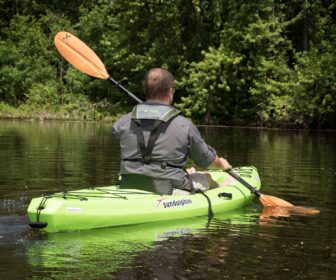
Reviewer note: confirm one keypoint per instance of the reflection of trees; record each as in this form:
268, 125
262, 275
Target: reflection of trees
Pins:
102, 156
12, 150
289, 161
42, 157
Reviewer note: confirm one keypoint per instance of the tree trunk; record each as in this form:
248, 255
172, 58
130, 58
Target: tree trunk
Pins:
305, 31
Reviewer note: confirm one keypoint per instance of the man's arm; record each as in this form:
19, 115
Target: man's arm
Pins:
220, 163
204, 155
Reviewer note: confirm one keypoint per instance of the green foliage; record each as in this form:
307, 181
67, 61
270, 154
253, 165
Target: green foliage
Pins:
26, 57
236, 62
209, 86
43, 95
316, 101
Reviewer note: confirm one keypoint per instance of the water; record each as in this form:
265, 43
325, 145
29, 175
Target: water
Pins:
43, 157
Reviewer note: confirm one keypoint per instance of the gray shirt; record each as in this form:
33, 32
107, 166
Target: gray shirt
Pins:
178, 140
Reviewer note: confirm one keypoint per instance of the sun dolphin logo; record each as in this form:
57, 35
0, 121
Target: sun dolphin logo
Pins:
159, 200
173, 203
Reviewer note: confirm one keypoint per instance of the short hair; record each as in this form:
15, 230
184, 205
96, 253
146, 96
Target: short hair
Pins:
157, 83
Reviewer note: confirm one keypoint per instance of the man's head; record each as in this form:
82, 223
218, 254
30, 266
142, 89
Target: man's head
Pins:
158, 84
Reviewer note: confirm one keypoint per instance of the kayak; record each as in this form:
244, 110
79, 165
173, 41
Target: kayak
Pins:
111, 206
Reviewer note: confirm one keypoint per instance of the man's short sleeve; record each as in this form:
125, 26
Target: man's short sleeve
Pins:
199, 151
119, 125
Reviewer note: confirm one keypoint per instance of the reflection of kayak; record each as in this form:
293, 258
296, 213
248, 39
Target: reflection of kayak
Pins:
158, 231
66, 254
148, 232
110, 206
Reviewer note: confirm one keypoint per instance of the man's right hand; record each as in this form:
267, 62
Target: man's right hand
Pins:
220, 163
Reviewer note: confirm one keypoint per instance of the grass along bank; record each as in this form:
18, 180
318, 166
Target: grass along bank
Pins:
102, 111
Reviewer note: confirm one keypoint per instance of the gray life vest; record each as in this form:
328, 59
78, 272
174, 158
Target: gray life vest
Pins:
159, 113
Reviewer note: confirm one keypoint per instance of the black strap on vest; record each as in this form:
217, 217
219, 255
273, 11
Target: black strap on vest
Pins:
158, 113
146, 151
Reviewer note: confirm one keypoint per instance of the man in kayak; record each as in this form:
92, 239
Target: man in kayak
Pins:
156, 140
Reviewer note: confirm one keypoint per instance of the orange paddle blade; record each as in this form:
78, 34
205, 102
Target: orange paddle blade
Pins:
278, 211
80, 55
268, 201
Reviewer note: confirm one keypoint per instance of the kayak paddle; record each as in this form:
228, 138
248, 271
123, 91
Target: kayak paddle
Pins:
275, 206
266, 200
84, 59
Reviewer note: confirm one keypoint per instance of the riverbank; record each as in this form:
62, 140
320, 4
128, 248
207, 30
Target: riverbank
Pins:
88, 112
110, 113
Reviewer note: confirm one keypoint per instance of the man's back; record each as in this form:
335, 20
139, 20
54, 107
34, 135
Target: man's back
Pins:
177, 141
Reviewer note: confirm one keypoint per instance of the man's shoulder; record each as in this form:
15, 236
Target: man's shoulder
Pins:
181, 122
123, 119
182, 119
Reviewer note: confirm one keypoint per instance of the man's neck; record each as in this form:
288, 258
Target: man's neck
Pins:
160, 101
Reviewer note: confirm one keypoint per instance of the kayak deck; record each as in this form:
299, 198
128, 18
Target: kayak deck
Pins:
111, 206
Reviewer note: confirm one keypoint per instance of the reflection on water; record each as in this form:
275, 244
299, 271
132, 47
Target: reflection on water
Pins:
114, 248
43, 157
276, 211
50, 156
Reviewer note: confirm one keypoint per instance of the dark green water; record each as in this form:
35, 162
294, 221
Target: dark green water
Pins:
42, 157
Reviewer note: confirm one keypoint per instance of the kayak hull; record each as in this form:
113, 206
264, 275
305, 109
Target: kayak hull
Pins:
111, 206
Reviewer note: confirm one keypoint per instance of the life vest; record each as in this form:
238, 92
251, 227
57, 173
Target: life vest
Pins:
160, 114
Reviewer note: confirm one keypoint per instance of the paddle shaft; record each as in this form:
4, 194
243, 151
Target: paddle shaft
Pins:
239, 179
124, 89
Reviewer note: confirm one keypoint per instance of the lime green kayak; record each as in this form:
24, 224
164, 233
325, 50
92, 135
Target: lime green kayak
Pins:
110, 206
